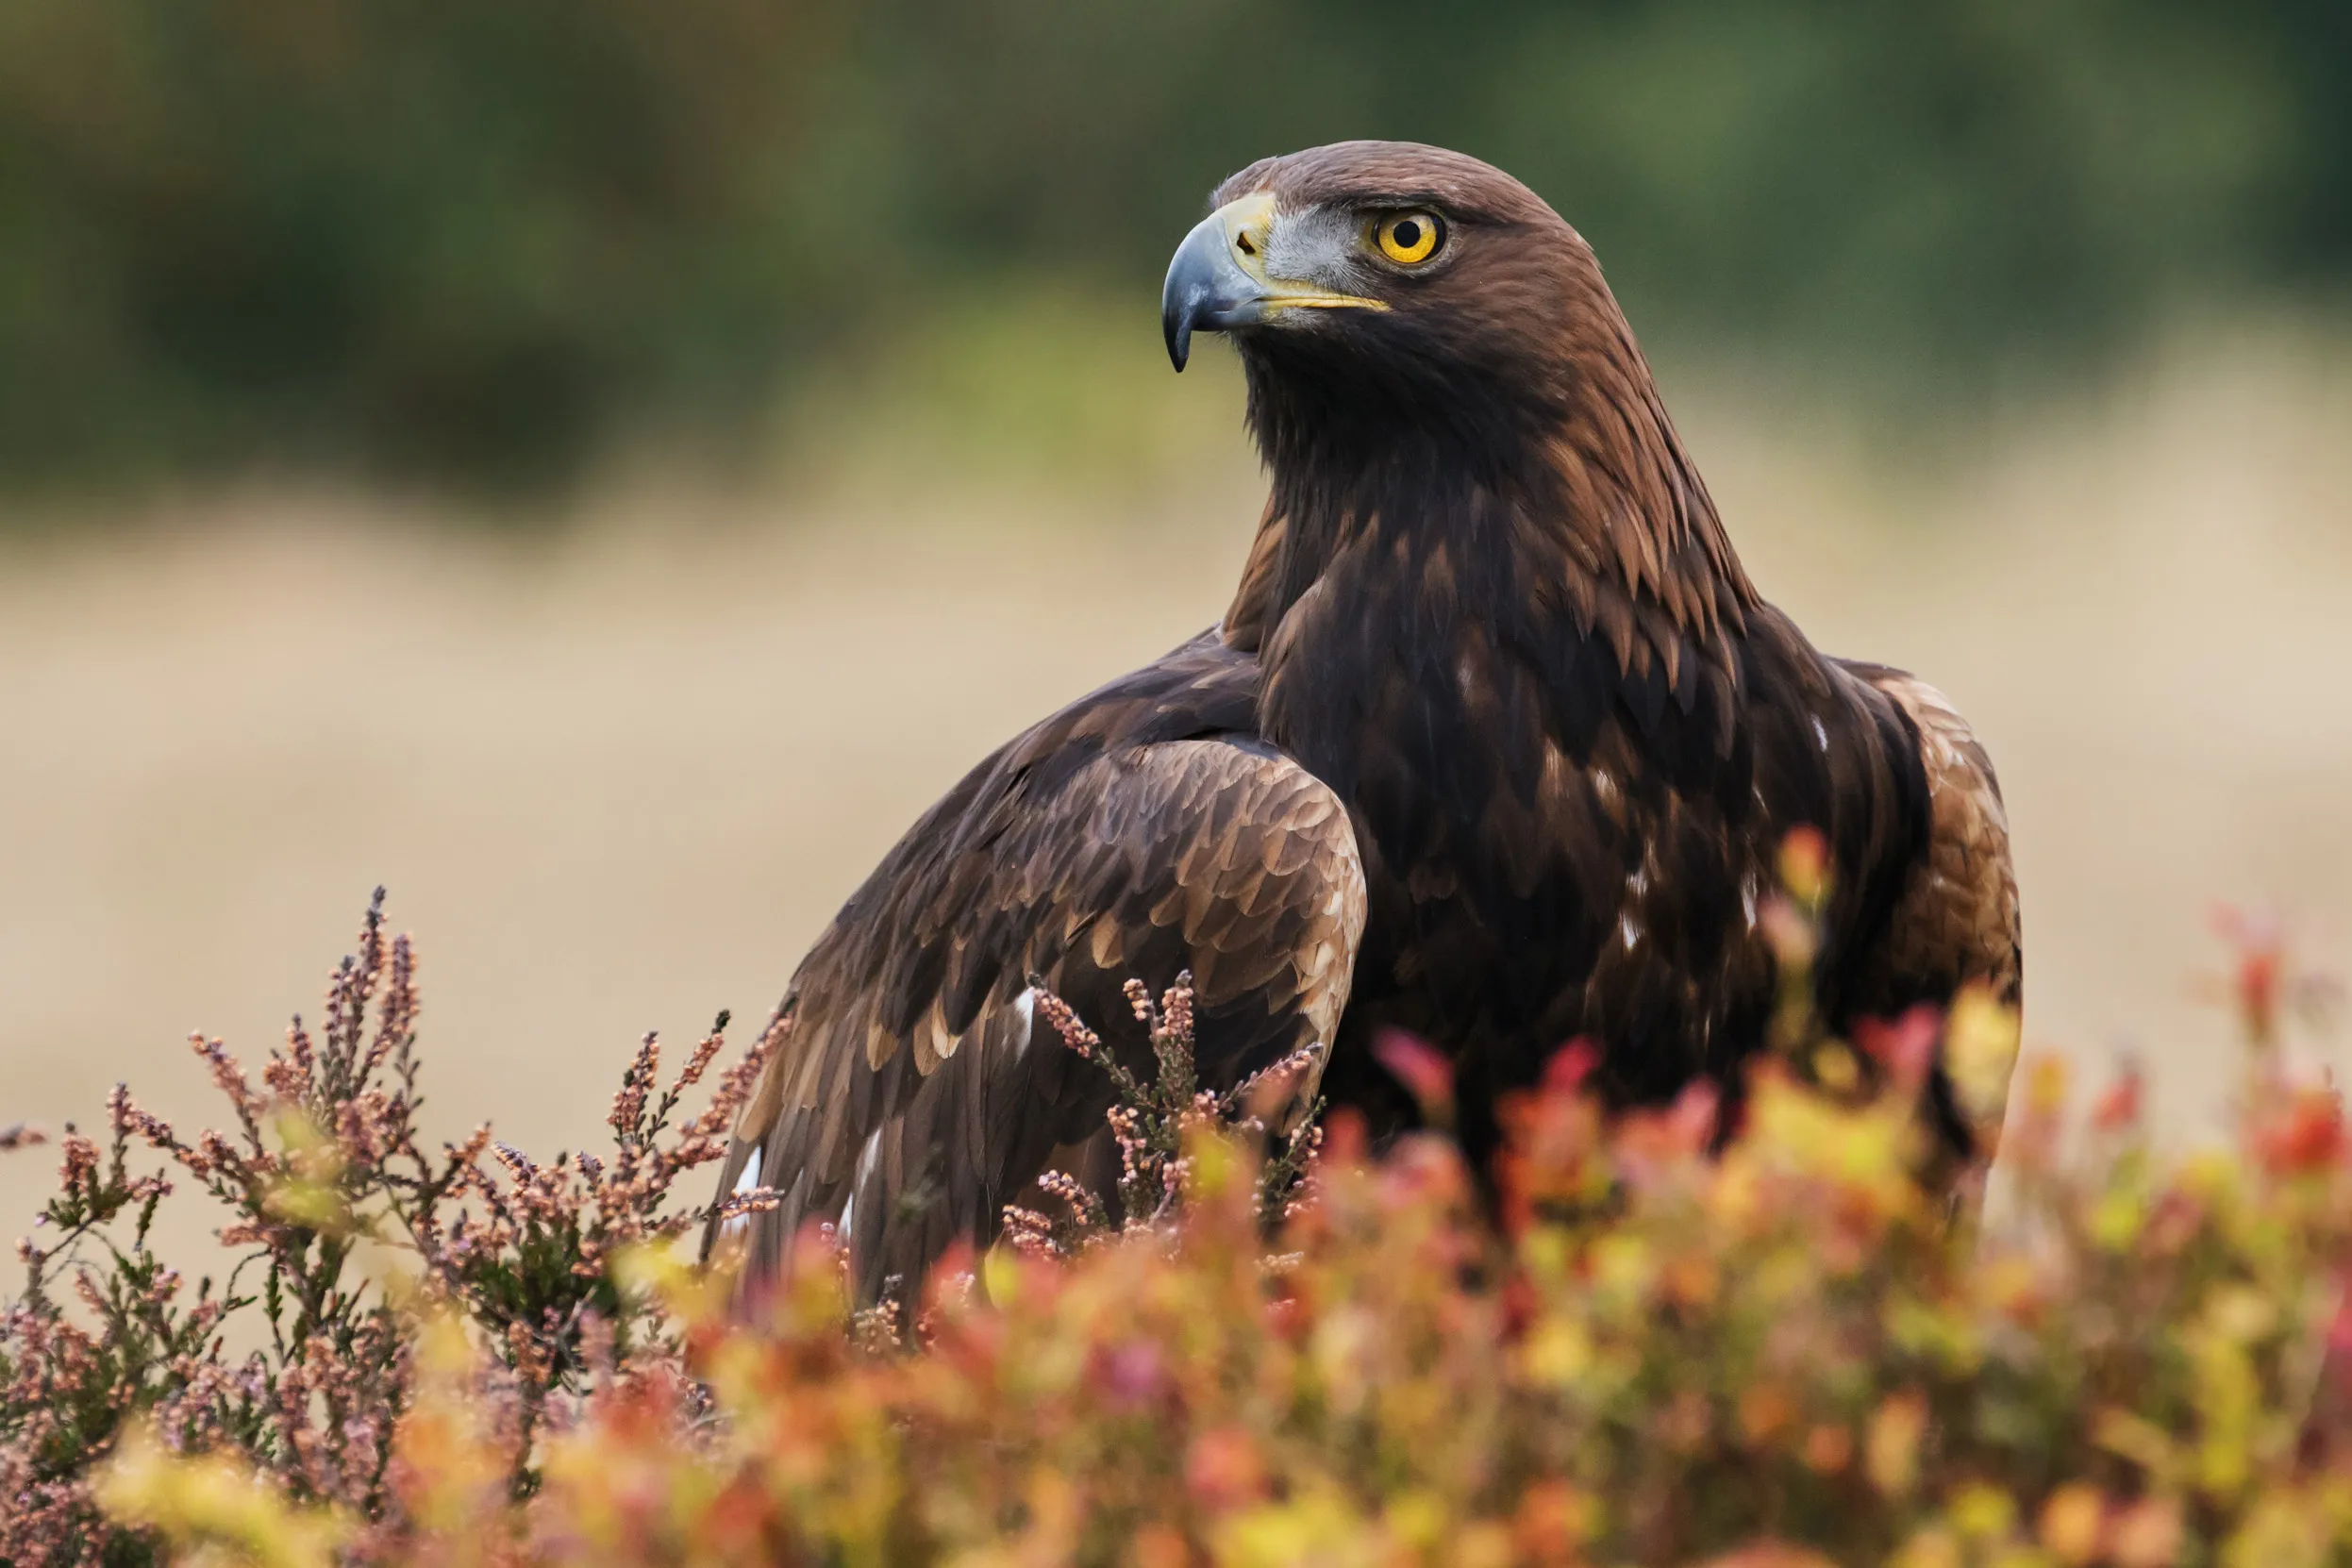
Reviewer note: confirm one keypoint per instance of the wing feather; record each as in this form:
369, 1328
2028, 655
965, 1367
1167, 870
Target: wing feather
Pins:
1139, 833
1954, 924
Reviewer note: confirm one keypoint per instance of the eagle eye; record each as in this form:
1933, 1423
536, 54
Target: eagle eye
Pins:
1408, 239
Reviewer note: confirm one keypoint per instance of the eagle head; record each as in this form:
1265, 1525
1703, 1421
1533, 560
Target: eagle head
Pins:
1391, 286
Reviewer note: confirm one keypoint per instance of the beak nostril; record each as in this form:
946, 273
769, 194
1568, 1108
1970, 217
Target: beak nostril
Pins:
1217, 279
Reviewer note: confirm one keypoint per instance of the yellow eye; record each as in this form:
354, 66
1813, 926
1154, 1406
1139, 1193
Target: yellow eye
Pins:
1408, 239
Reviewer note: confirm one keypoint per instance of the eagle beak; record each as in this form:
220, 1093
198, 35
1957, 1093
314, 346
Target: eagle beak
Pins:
1218, 279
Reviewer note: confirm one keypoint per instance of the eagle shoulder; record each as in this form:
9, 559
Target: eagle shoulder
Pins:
1955, 920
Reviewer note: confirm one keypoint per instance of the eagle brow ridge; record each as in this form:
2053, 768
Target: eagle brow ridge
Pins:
1452, 209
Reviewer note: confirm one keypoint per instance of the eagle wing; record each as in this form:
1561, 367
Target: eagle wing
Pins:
1955, 922
1141, 832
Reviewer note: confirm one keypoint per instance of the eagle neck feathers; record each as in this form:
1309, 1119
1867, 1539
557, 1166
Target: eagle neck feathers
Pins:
1568, 505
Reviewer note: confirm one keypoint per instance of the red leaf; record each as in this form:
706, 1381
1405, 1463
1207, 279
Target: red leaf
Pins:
1905, 1048
1570, 1066
2119, 1108
1422, 1069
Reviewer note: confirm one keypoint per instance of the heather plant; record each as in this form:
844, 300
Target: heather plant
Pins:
1650, 1339
345, 1232
1154, 1121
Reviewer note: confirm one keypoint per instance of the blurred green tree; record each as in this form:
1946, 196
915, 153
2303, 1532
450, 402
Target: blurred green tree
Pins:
472, 237
448, 236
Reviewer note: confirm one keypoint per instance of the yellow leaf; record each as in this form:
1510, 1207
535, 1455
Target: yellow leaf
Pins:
1931, 1547
1315, 1531
2046, 1085
2134, 1438
1000, 1275
213, 1501
1557, 1353
2071, 1521
1890, 1451
1980, 1040
1418, 1518
2240, 1313
1985, 1512
2117, 1221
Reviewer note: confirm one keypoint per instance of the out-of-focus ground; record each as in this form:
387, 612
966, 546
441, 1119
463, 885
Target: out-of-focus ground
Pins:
618, 778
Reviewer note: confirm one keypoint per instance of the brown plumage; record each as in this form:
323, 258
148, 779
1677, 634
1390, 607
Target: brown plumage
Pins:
1497, 744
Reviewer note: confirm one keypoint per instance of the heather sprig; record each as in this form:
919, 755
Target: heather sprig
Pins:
345, 1228
1154, 1121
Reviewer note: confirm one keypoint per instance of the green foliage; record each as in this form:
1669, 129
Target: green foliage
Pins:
473, 238
439, 234
1638, 1347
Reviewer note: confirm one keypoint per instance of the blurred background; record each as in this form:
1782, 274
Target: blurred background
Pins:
602, 467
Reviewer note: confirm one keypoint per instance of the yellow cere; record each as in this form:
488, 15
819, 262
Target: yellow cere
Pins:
1408, 239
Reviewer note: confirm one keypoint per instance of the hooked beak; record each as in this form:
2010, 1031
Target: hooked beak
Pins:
1218, 279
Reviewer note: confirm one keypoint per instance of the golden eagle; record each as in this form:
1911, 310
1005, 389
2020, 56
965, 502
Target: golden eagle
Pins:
1497, 744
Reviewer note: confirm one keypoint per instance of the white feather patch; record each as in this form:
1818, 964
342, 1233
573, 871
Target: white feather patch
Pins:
746, 1182
1025, 1004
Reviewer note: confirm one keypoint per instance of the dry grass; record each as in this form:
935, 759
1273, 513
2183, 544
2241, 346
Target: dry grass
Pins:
619, 781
